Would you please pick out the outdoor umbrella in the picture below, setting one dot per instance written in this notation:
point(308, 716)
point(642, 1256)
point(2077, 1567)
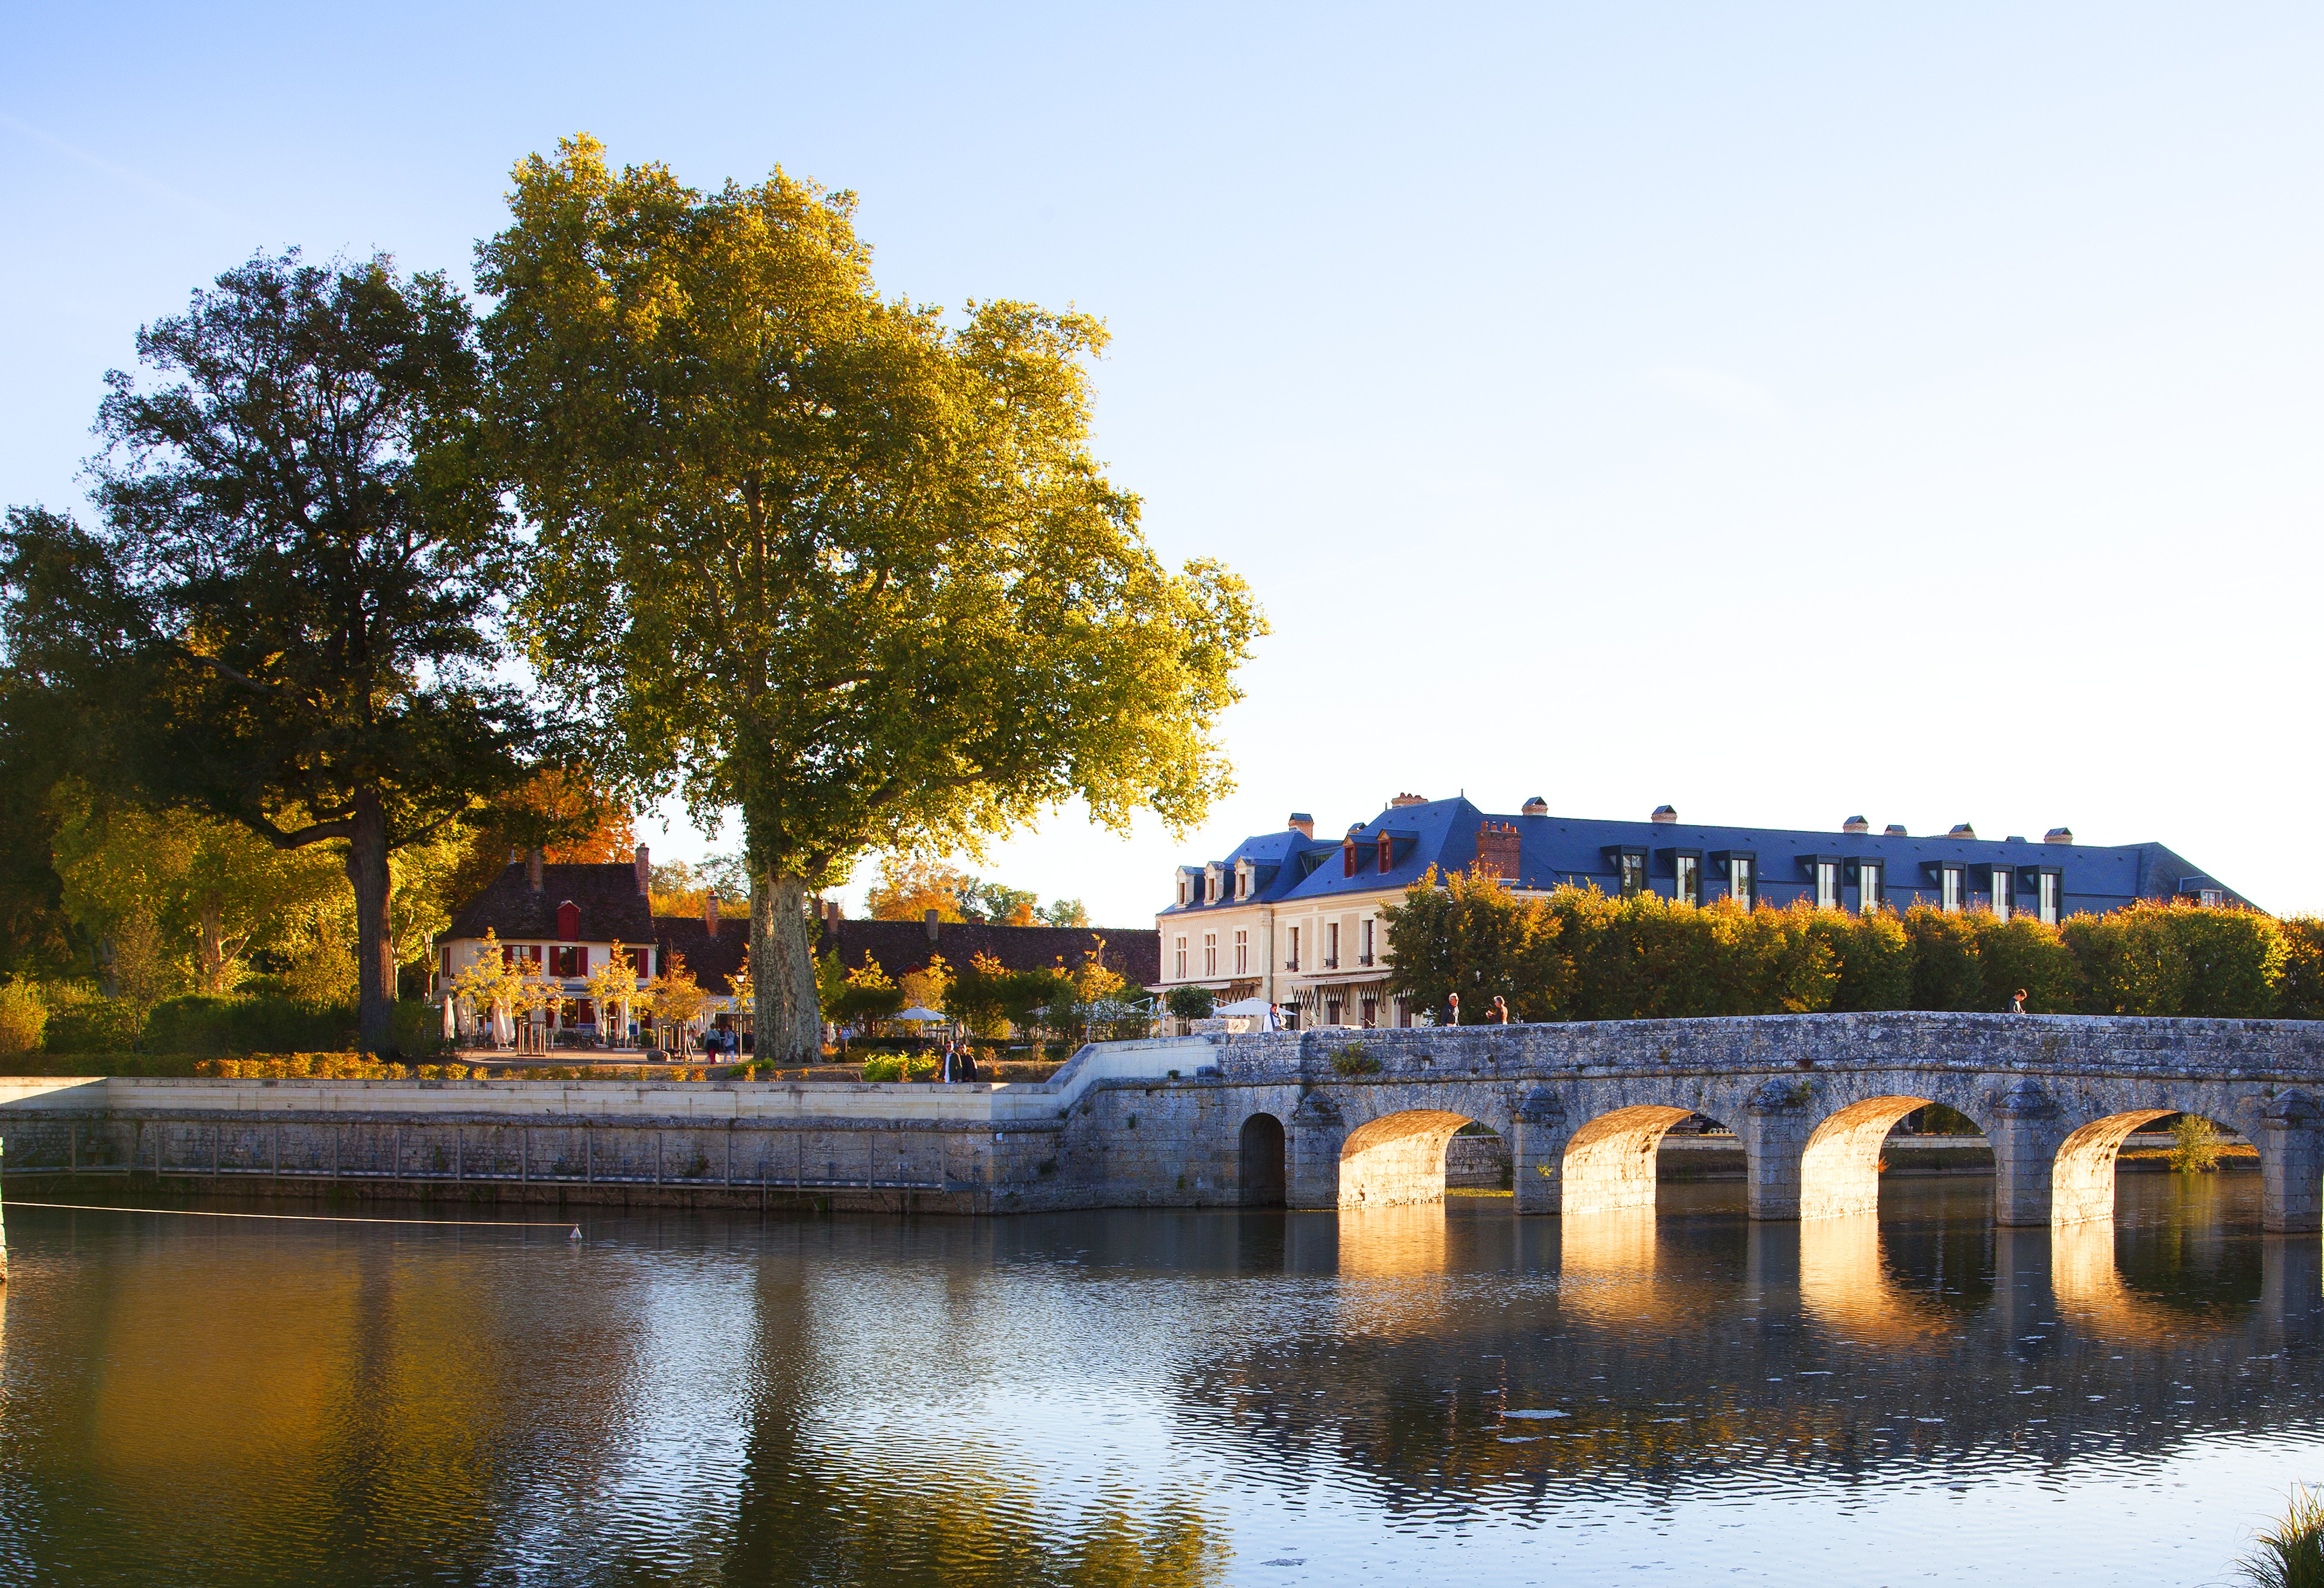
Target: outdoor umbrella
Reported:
point(451, 1021)
point(919, 1014)
point(1244, 1006)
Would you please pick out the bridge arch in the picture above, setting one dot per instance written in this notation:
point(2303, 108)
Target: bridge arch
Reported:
point(1609, 1162)
point(1840, 1167)
point(1259, 1162)
point(1396, 1159)
point(2083, 1180)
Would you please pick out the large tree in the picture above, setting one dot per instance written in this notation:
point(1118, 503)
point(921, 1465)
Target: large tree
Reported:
point(285, 614)
point(820, 556)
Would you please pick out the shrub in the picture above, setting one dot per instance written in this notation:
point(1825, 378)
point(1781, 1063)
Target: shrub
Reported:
point(2232, 959)
point(899, 1067)
point(2194, 1145)
point(1876, 961)
point(2300, 977)
point(1945, 973)
point(1190, 1004)
point(1353, 1060)
point(23, 1017)
point(2022, 951)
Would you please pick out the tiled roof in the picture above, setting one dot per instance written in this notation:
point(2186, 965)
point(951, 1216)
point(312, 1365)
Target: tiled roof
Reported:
point(712, 962)
point(897, 946)
point(612, 908)
point(1553, 850)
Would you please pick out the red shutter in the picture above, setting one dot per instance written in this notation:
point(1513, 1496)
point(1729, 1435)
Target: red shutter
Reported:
point(581, 962)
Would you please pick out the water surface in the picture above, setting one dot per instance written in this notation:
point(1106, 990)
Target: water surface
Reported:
point(1156, 1398)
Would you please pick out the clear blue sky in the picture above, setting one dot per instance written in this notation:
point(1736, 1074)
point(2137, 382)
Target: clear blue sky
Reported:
point(1786, 412)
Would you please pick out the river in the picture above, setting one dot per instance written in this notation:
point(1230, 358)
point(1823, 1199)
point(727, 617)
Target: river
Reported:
point(1422, 1395)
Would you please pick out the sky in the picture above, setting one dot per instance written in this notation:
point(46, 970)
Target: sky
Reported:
point(1783, 412)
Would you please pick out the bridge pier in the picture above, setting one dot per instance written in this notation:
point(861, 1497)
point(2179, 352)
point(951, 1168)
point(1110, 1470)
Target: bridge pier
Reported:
point(1773, 1131)
point(2291, 1142)
point(1537, 1142)
point(2026, 1132)
point(1318, 1133)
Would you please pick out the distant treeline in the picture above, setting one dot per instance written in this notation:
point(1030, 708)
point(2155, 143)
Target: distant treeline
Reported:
point(1579, 955)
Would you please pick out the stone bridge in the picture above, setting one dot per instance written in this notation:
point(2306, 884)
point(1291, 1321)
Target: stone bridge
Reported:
point(1341, 1119)
point(1327, 1119)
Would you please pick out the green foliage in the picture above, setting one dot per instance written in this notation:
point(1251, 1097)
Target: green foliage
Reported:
point(1579, 955)
point(2177, 959)
point(23, 1016)
point(1945, 974)
point(1190, 1004)
point(283, 616)
point(2300, 974)
point(1876, 960)
point(2022, 951)
point(899, 1067)
point(1353, 1060)
point(2195, 1145)
point(817, 556)
point(2291, 1555)
point(1474, 938)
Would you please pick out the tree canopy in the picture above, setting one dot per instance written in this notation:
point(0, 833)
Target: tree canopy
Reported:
point(820, 556)
point(285, 614)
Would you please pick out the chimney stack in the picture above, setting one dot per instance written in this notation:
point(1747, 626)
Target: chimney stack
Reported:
point(1303, 824)
point(929, 921)
point(532, 862)
point(1856, 824)
point(645, 870)
point(831, 911)
point(1665, 813)
point(1896, 830)
point(710, 912)
point(1402, 800)
point(1536, 806)
point(2059, 835)
point(1963, 830)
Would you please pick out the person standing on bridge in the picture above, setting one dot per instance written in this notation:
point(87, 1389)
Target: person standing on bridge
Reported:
point(1453, 1003)
point(1501, 1010)
point(2018, 1001)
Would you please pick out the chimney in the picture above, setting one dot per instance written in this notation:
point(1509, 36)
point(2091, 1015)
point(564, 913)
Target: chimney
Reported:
point(515, 854)
point(1856, 824)
point(1665, 813)
point(831, 911)
point(532, 862)
point(645, 870)
point(1536, 806)
point(1896, 830)
point(710, 912)
point(2059, 835)
point(929, 921)
point(1497, 848)
point(1404, 799)
point(1303, 824)
point(1963, 830)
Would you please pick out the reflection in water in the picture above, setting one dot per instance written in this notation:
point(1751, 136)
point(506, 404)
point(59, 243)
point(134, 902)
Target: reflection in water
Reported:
point(1161, 1398)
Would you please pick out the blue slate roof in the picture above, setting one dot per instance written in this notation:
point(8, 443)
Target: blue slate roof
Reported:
point(1290, 868)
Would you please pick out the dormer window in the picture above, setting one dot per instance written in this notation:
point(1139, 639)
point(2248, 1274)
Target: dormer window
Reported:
point(1213, 881)
point(1243, 873)
point(2003, 888)
point(1949, 889)
point(1827, 884)
point(2049, 895)
point(1184, 889)
point(568, 921)
point(1869, 894)
point(1387, 853)
point(1348, 856)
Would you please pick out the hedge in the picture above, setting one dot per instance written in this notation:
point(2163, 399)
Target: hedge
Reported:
point(1577, 954)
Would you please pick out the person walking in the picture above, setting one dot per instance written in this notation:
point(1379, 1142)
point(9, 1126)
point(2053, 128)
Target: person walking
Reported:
point(1501, 1010)
point(2018, 1001)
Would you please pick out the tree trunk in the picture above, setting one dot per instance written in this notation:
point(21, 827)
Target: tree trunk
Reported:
point(788, 1015)
point(212, 949)
point(375, 970)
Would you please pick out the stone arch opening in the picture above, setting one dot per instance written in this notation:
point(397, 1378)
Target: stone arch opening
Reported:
point(1397, 1159)
point(2082, 1182)
point(1260, 1163)
point(1840, 1167)
point(1609, 1162)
